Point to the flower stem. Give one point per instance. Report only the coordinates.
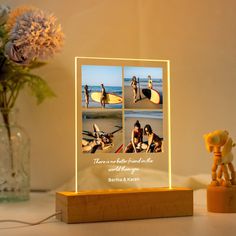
(13, 95)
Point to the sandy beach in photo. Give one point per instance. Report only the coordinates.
(156, 125)
(84, 108)
(144, 103)
(107, 122)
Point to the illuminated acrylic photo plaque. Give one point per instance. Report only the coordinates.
(122, 144)
(122, 133)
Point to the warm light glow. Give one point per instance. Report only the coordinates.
(120, 59)
(169, 125)
(76, 127)
(168, 105)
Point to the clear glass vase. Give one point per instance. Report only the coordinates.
(14, 159)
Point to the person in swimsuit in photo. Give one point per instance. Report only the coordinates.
(134, 85)
(102, 140)
(86, 93)
(150, 86)
(154, 141)
(103, 96)
(136, 139)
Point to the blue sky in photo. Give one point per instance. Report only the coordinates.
(96, 75)
(143, 72)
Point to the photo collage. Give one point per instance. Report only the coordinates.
(122, 109)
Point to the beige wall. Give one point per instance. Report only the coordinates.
(199, 37)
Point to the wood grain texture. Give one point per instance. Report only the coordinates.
(110, 205)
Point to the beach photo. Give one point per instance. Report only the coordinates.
(143, 131)
(143, 87)
(101, 86)
(102, 132)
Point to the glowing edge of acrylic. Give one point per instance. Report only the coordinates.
(76, 112)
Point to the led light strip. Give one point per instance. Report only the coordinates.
(169, 126)
(76, 111)
(76, 127)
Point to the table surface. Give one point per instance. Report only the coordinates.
(42, 205)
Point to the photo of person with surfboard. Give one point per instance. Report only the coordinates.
(101, 87)
(150, 82)
(148, 139)
(102, 132)
(103, 96)
(146, 92)
(86, 94)
(134, 85)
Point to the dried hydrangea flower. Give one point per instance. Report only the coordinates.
(35, 35)
(14, 14)
(12, 53)
(4, 12)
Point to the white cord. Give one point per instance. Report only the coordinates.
(31, 223)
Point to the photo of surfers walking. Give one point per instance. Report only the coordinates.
(101, 87)
(122, 109)
(134, 84)
(143, 88)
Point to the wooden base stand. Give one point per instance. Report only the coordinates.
(221, 199)
(127, 204)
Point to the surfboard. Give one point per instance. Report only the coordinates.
(153, 95)
(119, 149)
(110, 99)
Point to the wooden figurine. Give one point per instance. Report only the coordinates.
(221, 145)
(221, 193)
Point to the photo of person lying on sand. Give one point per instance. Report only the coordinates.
(143, 88)
(101, 140)
(147, 139)
(101, 87)
(102, 132)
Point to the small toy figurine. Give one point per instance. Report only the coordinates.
(221, 145)
(221, 193)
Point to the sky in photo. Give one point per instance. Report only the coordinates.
(96, 75)
(143, 72)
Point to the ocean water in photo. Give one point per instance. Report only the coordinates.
(144, 114)
(117, 90)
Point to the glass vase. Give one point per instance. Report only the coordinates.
(14, 159)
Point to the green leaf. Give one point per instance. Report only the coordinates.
(39, 88)
(2, 32)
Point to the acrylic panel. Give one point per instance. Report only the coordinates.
(121, 121)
